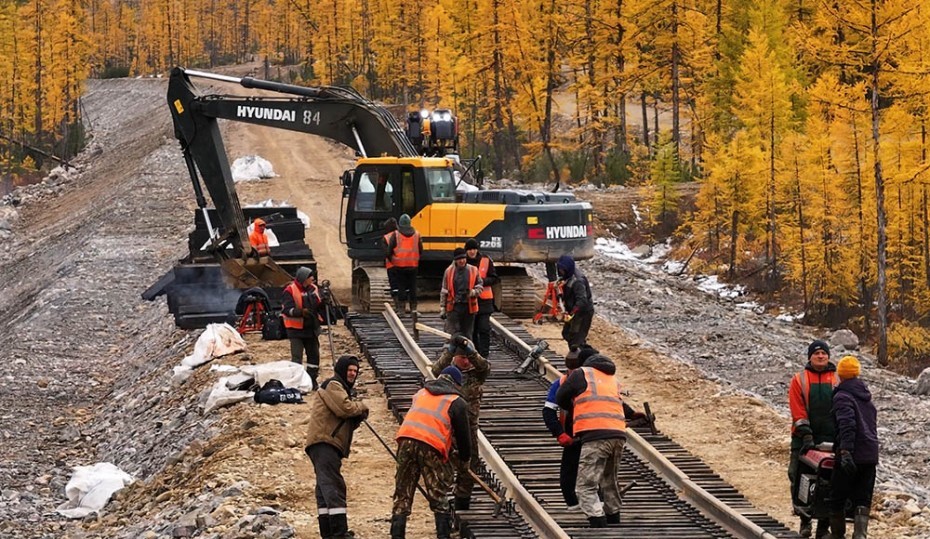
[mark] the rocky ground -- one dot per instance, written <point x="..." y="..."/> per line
<point x="88" y="363"/>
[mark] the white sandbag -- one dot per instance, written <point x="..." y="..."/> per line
<point x="217" y="340"/>
<point x="221" y="396"/>
<point x="90" y="489"/>
<point x="289" y="373"/>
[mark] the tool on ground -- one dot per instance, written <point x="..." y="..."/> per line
<point x="626" y="488"/>
<point x="551" y="306"/>
<point x="650" y="419"/>
<point x="534" y="354"/>
<point x="498" y="499"/>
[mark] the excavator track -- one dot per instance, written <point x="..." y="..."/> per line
<point x="370" y="288"/>
<point x="517" y="292"/>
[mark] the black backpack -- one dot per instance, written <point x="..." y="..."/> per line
<point x="273" y="327"/>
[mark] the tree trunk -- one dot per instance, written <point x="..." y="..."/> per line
<point x="642" y="101"/>
<point x="676" y="83"/>
<point x="879" y="196"/>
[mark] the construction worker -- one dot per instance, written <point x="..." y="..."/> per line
<point x="592" y="393"/>
<point x="855" y="421"/>
<point x="437" y="416"/>
<point x="458" y="299"/>
<point x="404" y="250"/>
<point x="335" y="413"/>
<point x="810" y="398"/>
<point x="482" y="333"/>
<point x="390" y="226"/>
<point x="301" y="304"/>
<point x="258" y="239"/>
<point x="461" y="353"/>
<point x="559" y="423"/>
<point x="579" y="304"/>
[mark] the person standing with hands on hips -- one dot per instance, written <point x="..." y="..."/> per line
<point x="458" y="299"/>
<point x="482" y="334"/>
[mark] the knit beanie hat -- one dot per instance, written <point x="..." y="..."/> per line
<point x="303" y="272"/>
<point x="817" y="345"/>
<point x="404" y="220"/>
<point x="458" y="253"/>
<point x="848" y="367"/>
<point x="472" y="243"/>
<point x="454" y="373"/>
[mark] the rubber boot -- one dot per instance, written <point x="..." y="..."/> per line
<point x="399" y="527"/>
<point x="462" y="504"/>
<point x="313" y="372"/>
<point x="613" y="521"/>
<point x="598" y="522"/>
<point x="806" y="528"/>
<point x="838" y="525"/>
<point x="861" y="523"/>
<point x="339" y="524"/>
<point x="413" y="304"/>
<point x="443" y="526"/>
<point x="326" y="530"/>
<point x="398" y="306"/>
<point x="823" y="529"/>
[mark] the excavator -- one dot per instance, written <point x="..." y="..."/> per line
<point x="399" y="170"/>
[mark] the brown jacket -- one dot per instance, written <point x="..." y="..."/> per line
<point x="334" y="416"/>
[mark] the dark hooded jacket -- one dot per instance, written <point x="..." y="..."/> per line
<point x="576" y="384"/>
<point x="576" y="292"/>
<point x="334" y="413"/>
<point x="458" y="414"/>
<point x="856" y="421"/>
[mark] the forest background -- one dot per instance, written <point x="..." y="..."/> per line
<point x="804" y="124"/>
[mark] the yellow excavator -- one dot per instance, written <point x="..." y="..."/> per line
<point x="392" y="176"/>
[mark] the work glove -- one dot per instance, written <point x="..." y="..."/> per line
<point x="568" y="317"/>
<point x="807" y="443"/>
<point x="443" y="315"/>
<point x="451" y="346"/>
<point x="847" y="463"/>
<point x="473" y="293"/>
<point x="565" y="440"/>
<point x="364" y="415"/>
<point x="305" y="312"/>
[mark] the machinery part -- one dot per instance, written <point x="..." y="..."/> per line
<point x="534" y="354"/>
<point x="517" y="292"/>
<point x="370" y="287"/>
<point x="551" y="306"/>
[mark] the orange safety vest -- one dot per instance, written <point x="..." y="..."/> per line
<point x="599" y="407"/>
<point x="804" y="383"/>
<point x="428" y="421"/>
<point x="387" y="241"/>
<point x="297" y="322"/>
<point x="259" y="242"/>
<point x="483" y="265"/>
<point x="450" y="286"/>
<point x="406" y="250"/>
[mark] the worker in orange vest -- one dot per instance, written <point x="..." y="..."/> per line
<point x="592" y="393"/>
<point x="301" y="304"/>
<point x="390" y="226"/>
<point x="482" y="333"/>
<point x="258" y="239"/>
<point x="437" y="417"/>
<point x="458" y="299"/>
<point x="404" y="250"/>
<point x="810" y="399"/>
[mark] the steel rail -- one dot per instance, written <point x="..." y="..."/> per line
<point x="526" y="504"/>
<point x="727" y="517"/>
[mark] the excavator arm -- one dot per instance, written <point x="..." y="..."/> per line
<point x="340" y="114"/>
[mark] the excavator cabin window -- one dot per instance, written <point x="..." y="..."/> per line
<point x="375" y="193"/>
<point x="441" y="184"/>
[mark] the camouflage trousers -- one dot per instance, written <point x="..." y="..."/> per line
<point x="463" y="480"/>
<point x="416" y="459"/>
<point x="597" y="468"/>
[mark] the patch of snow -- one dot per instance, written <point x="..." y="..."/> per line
<point x="711" y="285"/>
<point x="251" y="167"/>
<point x="790" y="317"/>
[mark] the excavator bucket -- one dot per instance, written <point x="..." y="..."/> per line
<point x="250" y="272"/>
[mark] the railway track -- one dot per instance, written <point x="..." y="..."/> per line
<point x="675" y="495"/>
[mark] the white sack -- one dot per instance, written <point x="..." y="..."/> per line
<point x="216" y="341"/>
<point x="90" y="488"/>
<point x="251" y="167"/>
<point x="289" y="373"/>
<point x="221" y="396"/>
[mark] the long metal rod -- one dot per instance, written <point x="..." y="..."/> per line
<point x="727" y="517"/>
<point x="528" y="506"/>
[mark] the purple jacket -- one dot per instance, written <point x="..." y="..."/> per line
<point x="855" y="418"/>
